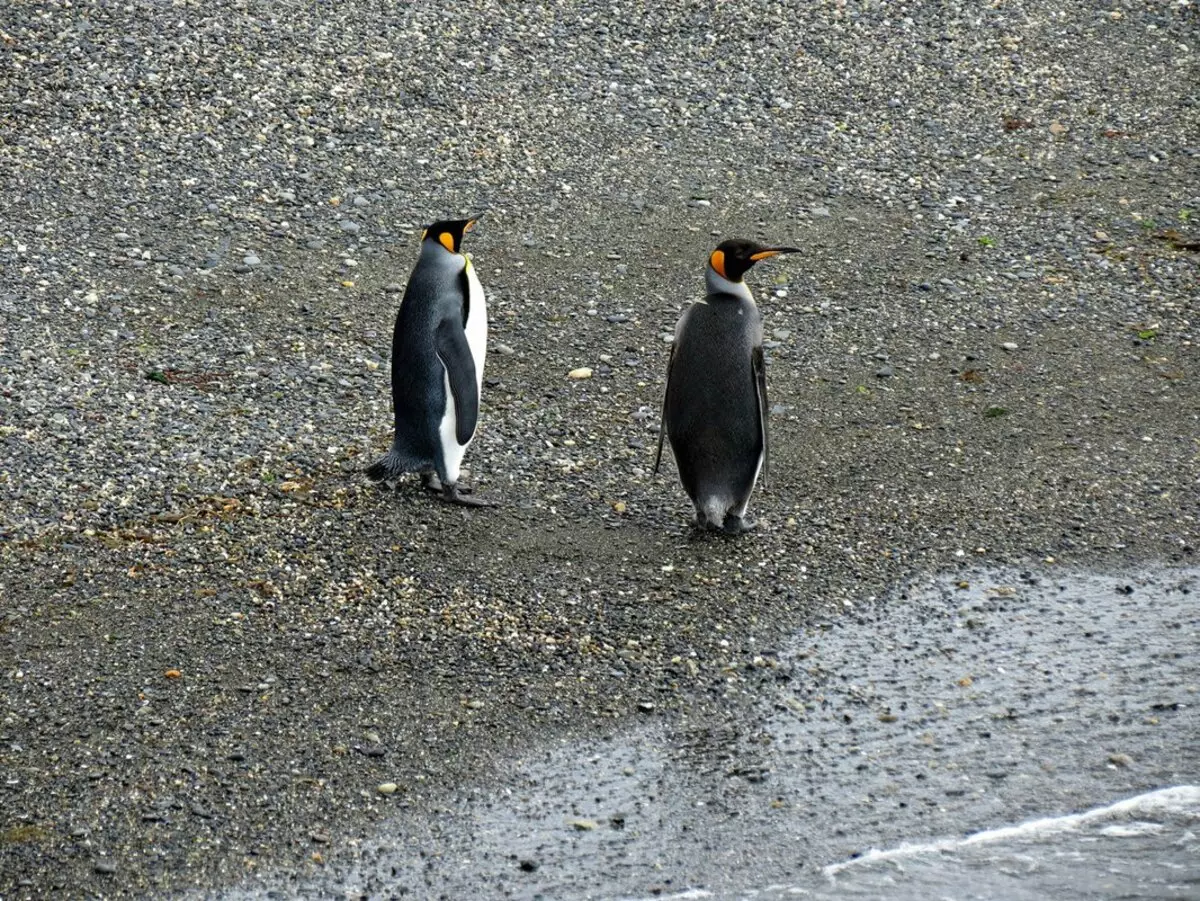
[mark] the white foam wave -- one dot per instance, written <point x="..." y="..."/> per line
<point x="1180" y="799"/>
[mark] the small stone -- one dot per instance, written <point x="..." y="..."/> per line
<point x="582" y="825"/>
<point x="820" y="211"/>
<point x="1010" y="346"/>
<point x="387" y="788"/>
<point x="251" y="260"/>
<point x="583" y="372"/>
<point x="360" y="201"/>
<point x="503" y="349"/>
<point x="526" y="865"/>
<point x="1121" y="760"/>
<point x="884" y="372"/>
<point x="349" y="226"/>
<point x="104" y="867"/>
<point x="393" y="288"/>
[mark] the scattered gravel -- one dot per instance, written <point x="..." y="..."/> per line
<point x="207" y="213"/>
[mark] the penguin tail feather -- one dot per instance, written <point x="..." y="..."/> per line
<point x="391" y="465"/>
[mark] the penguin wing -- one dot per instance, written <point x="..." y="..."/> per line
<point x="662" y="419"/>
<point x="760" y="386"/>
<point x="455" y="354"/>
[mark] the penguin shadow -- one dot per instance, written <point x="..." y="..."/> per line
<point x="426" y="488"/>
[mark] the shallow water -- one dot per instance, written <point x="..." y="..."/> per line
<point x="932" y="728"/>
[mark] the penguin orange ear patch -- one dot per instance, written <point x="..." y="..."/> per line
<point x="447" y="241"/>
<point x="717" y="261"/>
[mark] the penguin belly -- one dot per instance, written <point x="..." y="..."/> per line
<point x="476" y="327"/>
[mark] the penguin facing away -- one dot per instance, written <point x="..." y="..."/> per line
<point x="438" y="348"/>
<point x="715" y="407"/>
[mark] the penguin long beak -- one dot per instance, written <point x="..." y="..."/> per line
<point x="768" y="252"/>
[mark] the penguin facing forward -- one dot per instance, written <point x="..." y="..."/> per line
<point x="438" y="349"/>
<point x="715" y="407"/>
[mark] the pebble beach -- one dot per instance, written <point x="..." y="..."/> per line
<point x="223" y="652"/>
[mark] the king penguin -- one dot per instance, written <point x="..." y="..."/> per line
<point x="715" y="406"/>
<point x="438" y="348"/>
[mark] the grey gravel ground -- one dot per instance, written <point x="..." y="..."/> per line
<point x="216" y="641"/>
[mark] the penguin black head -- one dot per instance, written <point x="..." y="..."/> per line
<point x="733" y="258"/>
<point x="449" y="232"/>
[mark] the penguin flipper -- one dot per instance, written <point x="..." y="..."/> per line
<point x="662" y="419"/>
<point x="759" y="364"/>
<point x="455" y="354"/>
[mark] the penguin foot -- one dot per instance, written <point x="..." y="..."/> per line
<point x="451" y="495"/>
<point x="737" y="525"/>
<point x="430" y="482"/>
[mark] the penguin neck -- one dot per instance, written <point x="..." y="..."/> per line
<point x="434" y="251"/>
<point x="718" y="284"/>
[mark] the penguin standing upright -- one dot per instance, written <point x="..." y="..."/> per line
<point x="438" y="348"/>
<point x="715" y="407"/>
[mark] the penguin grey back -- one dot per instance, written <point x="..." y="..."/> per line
<point x="439" y="343"/>
<point x="712" y="412"/>
<point x="715" y="404"/>
<point x="436" y="305"/>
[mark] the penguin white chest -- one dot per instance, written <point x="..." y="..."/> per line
<point x="476" y="327"/>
